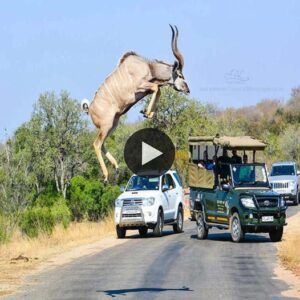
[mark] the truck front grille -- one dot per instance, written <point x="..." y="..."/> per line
<point x="133" y="202"/>
<point x="131" y="215"/>
<point x="267" y="202"/>
<point x="280" y="185"/>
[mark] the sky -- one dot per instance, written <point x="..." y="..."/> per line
<point x="236" y="52"/>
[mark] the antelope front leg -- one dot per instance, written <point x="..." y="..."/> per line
<point x="152" y="105"/>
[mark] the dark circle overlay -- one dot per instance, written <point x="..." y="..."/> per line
<point x="156" y="139"/>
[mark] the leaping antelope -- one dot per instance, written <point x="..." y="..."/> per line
<point x="134" y="78"/>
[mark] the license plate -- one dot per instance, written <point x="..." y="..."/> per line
<point x="131" y="211"/>
<point x="267" y="219"/>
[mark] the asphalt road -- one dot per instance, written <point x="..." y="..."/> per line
<point x="175" y="266"/>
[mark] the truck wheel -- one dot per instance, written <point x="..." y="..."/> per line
<point x="178" y="227"/>
<point x="236" y="230"/>
<point x="296" y="201"/>
<point x="276" y="235"/>
<point x="157" y="231"/>
<point x="121" y="232"/>
<point x="143" y="231"/>
<point x="202" y="230"/>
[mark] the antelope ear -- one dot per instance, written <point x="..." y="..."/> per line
<point x="175" y="66"/>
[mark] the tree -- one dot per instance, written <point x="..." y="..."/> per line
<point x="55" y="141"/>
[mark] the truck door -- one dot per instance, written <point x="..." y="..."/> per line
<point x="222" y="207"/>
<point x="210" y="202"/>
<point x="173" y="191"/>
<point x="166" y="198"/>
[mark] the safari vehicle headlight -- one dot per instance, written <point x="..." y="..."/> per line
<point x="248" y="202"/>
<point x="281" y="202"/>
<point x="148" y="201"/>
<point x="118" y="203"/>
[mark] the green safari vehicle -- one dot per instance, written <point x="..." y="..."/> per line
<point x="231" y="195"/>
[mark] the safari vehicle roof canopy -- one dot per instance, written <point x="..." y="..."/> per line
<point x="228" y="142"/>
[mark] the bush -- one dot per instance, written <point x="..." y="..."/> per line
<point x="37" y="219"/>
<point x="42" y="219"/>
<point x="5" y="228"/>
<point x="108" y="198"/>
<point x="61" y="213"/>
<point x="85" y="198"/>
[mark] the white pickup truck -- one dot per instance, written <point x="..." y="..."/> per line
<point x="150" y="202"/>
<point x="285" y="180"/>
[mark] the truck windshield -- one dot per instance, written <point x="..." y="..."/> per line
<point x="282" y="170"/>
<point x="138" y="183"/>
<point x="249" y="175"/>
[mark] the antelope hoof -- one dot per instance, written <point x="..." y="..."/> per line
<point x="151" y="115"/>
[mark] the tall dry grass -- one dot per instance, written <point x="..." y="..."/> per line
<point x="289" y="248"/>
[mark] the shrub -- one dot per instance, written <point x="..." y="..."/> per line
<point x="43" y="218"/>
<point x="108" y="198"/>
<point x="85" y="198"/>
<point x="5" y="228"/>
<point x="37" y="219"/>
<point x="61" y="213"/>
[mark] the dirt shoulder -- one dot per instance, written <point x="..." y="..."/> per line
<point x="288" y="268"/>
<point x="23" y="256"/>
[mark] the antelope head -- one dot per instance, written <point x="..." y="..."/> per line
<point x="178" y="81"/>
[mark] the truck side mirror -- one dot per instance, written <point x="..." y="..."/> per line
<point x="122" y="189"/>
<point x="165" y="187"/>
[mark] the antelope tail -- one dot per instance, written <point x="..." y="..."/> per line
<point x="85" y="104"/>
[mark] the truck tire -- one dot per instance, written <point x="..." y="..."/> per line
<point x="143" y="231"/>
<point x="202" y="230"/>
<point x="157" y="231"/>
<point x="178" y="227"/>
<point x="121" y="232"/>
<point x="276" y="235"/>
<point x="236" y="230"/>
<point x="296" y="201"/>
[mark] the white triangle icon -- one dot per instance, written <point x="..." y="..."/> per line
<point x="149" y="153"/>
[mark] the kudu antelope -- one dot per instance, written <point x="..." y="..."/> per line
<point x="134" y="78"/>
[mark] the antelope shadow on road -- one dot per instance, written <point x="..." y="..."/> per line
<point x="124" y="292"/>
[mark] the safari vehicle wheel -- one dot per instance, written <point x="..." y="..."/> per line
<point x="121" y="232"/>
<point x="276" y="235"/>
<point x="202" y="230"/>
<point x="143" y="231"/>
<point x="157" y="231"/>
<point x="236" y="230"/>
<point x="178" y="227"/>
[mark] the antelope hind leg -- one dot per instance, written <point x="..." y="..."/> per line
<point x="97" y="145"/>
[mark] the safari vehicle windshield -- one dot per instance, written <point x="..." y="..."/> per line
<point x="249" y="175"/>
<point x="282" y="170"/>
<point x="138" y="183"/>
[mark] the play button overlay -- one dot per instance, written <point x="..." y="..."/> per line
<point x="149" y="151"/>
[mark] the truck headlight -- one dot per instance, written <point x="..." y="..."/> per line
<point x="292" y="184"/>
<point x="248" y="202"/>
<point x="282" y="202"/>
<point x="118" y="203"/>
<point x="149" y="201"/>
